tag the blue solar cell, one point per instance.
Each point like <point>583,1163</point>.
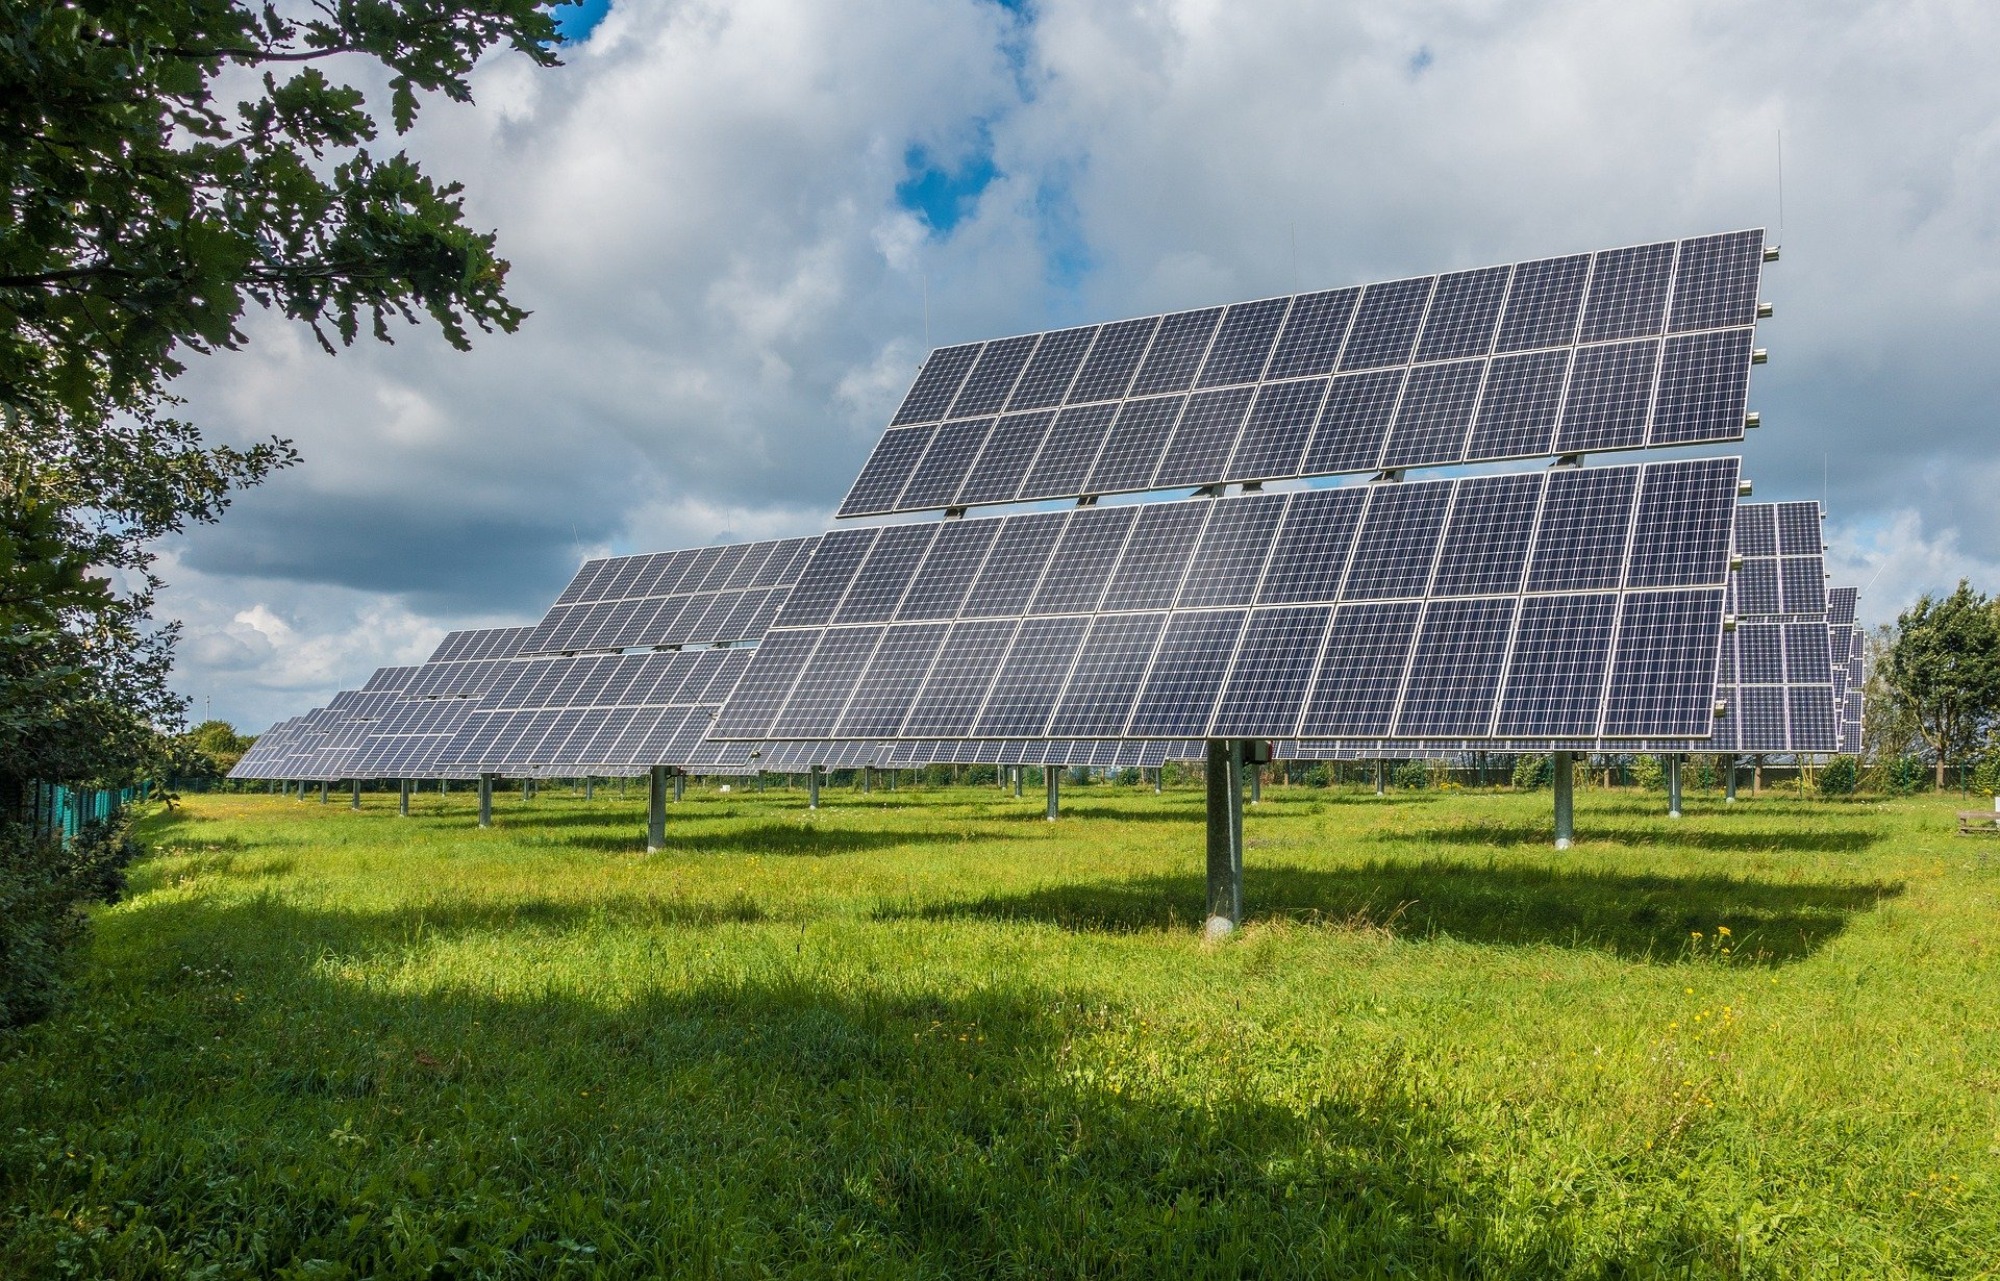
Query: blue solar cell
<point>1813,726</point>
<point>936,480</point>
<point>1109,666</point>
<point>1314,331</point>
<point>1280,423</point>
<point>1135,444</point>
<point>1310,551</point>
<point>1703,392</point>
<point>1455,670</point>
<point>936,384</point>
<point>1628,292</point>
<point>1385,325</point>
<point>1353,422</point>
<point>992,379</point>
<point>1179,346</point>
<point>896,672</point>
<point>1562,650</point>
<point>1157,556</point>
<point>959,678</point>
<point>1756,587</point>
<point>1757,530</point>
<point>1083,560</point>
<point>1802,583</point>
<point>826,578</point>
<point>724,568</point>
<point>1018,704</point>
<point>827,682</point>
<point>1361,671</point>
<point>1716,282</point>
<point>1273,671</point>
<point>1054,366</point>
<point>1585,524</point>
<point>1188,669</point>
<point>1463,314</point>
<point>1687,513</point>
<point>1806,659</point>
<point>887,471</point>
<point>1014,567</point>
<point>1435,415</point>
<point>1232,551</point>
<point>1243,344</point>
<point>1486,542</point>
<point>1663,672</point>
<point>939,586</point>
<point>1004,463</point>
<point>1760,655</point>
<point>1108,371</point>
<point>1518,409</point>
<point>1399,541</point>
<point>1543,303</point>
<point>1204,438</point>
<point>1060,469</point>
<point>879,586</point>
<point>1799,529</point>
<point>1610,394</point>
<point>768,683</point>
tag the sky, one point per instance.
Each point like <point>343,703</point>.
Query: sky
<point>740,225</point>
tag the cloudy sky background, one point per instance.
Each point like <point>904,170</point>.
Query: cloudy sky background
<point>736,223</point>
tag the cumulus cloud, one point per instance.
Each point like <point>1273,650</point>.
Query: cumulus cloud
<point>738,226</point>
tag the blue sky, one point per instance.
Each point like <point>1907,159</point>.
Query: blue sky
<point>736,224</point>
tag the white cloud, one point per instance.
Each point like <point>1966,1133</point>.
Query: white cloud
<point>701,212</point>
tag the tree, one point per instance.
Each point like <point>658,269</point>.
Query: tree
<point>143,217</point>
<point>1943,671</point>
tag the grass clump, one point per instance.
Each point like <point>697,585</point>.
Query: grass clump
<point>929,1033</point>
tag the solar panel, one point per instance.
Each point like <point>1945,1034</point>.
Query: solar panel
<point>700,596</point>
<point>1647,346</point>
<point>1394,610</point>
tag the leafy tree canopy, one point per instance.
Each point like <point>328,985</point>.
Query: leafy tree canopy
<point>167,166</point>
<point>1943,671</point>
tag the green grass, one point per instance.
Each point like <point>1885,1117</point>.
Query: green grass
<point>929,1033</point>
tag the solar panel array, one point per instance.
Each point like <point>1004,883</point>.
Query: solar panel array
<point>1568,602</point>
<point>1844,650</point>
<point>700,596</point>
<point>602,714</point>
<point>1647,346</point>
<point>1776,668</point>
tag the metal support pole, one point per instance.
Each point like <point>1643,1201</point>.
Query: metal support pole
<point>1729,776</point>
<point>812,788</point>
<point>1381,771</point>
<point>867,780</point>
<point>1256,784</point>
<point>680,786</point>
<point>1052,774</point>
<point>403,798</point>
<point>656,810</point>
<point>589,787</point>
<point>1158,770</point>
<point>322,791</point>
<point>1017,782</point>
<point>356,803</point>
<point>486,800</point>
<point>1674,785</point>
<point>1225,837</point>
<point>1563,777</point>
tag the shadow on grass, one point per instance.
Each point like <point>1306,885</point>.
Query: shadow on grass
<point>777,1124</point>
<point>790,840</point>
<point>1647,918</point>
<point>1687,834</point>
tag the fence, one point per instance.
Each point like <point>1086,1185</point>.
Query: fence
<point>62,811</point>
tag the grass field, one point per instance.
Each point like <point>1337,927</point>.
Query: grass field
<point>930,1033</point>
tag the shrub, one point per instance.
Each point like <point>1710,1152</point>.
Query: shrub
<point>1531,772</point>
<point>1649,773</point>
<point>44,887</point>
<point>1905,775</point>
<point>1836,777</point>
<point>1412,774</point>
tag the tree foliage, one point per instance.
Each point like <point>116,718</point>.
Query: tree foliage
<point>1943,671</point>
<point>168,166</point>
